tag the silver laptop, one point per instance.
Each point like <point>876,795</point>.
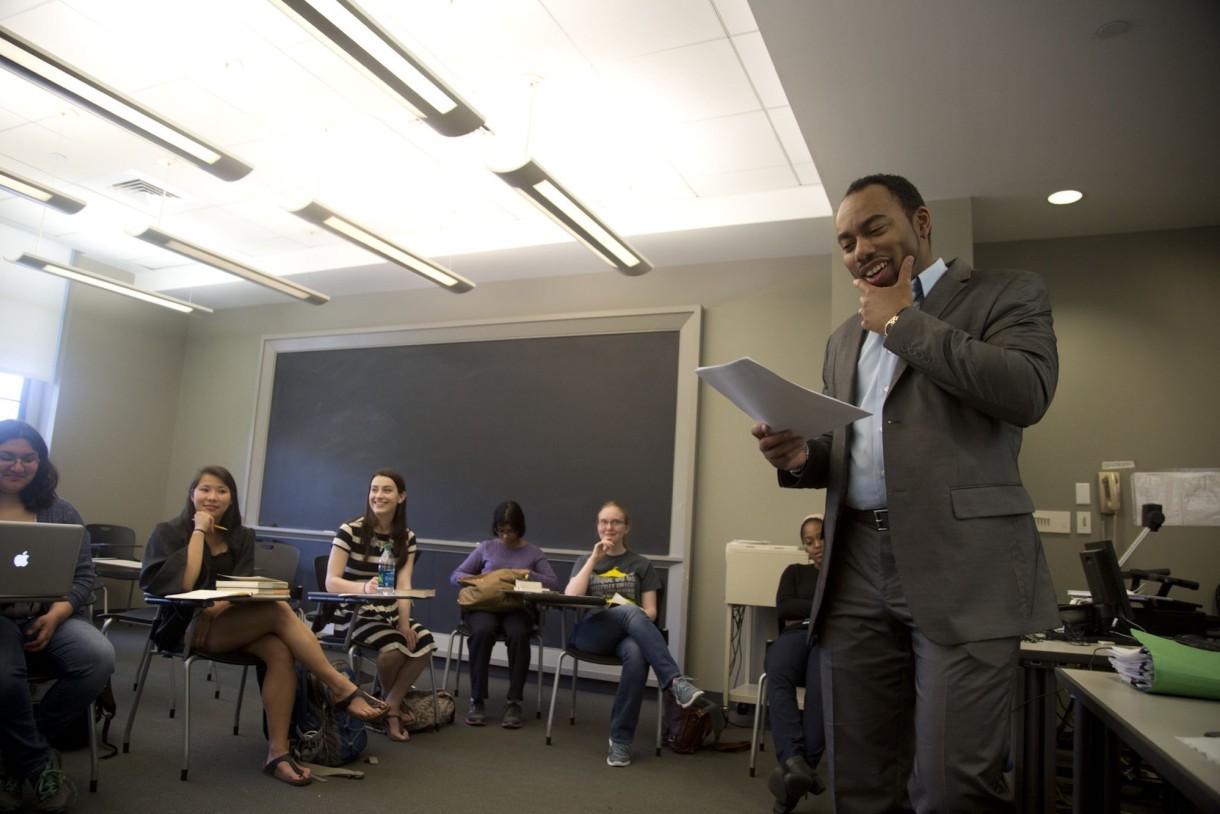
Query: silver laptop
<point>37,560</point>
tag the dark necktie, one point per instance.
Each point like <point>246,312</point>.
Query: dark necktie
<point>917,288</point>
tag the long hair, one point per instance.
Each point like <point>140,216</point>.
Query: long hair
<point>509,513</point>
<point>398,526</point>
<point>39,493</point>
<point>232,516</point>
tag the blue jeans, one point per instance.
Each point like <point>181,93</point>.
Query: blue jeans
<point>792,663</point>
<point>627,632</point>
<point>81,659</point>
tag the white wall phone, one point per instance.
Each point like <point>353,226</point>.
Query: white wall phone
<point>1109,493</point>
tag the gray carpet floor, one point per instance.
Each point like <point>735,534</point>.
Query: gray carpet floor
<point>457,769</point>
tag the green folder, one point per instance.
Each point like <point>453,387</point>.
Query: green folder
<point>1179,669</point>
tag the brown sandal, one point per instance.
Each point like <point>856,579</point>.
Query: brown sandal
<point>380,708</point>
<point>301,778</point>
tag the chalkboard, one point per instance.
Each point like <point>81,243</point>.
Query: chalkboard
<point>558,423</point>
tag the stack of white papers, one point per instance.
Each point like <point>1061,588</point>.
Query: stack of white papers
<point>767,397</point>
<point>1133,665</point>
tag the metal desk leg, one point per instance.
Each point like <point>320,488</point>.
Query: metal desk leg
<point>1094,765</point>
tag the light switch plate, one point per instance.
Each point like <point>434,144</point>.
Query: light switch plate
<point>1084,496</point>
<point>1053,522</point>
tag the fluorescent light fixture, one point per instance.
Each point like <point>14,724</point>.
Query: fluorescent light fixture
<point>25,59</point>
<point>199,254</point>
<point>80,275</point>
<point>1064,197</point>
<point>532,181</point>
<point>37,193</point>
<point>351,33</point>
<point>316,213</point>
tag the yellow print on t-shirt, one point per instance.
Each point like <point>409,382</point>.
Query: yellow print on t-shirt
<point>612,582</point>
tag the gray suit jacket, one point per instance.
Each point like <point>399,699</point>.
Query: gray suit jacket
<point>976,364</point>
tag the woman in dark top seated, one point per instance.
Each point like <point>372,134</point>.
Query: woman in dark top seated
<point>208,540</point>
<point>792,662</point>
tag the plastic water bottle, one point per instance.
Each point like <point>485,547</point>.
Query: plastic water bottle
<point>386,570</point>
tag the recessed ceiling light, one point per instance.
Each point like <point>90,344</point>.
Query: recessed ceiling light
<point>1064,196</point>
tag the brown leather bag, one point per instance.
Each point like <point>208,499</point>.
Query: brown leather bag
<point>486,591</point>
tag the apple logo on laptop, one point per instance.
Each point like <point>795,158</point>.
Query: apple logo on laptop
<point>22,559</point>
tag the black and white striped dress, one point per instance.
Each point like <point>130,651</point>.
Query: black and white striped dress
<point>376,622</point>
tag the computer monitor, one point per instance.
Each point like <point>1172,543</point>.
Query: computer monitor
<point>1106,584</point>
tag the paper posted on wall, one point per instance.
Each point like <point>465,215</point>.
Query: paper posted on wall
<point>770,398</point>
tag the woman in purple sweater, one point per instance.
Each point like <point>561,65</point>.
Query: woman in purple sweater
<point>508,549</point>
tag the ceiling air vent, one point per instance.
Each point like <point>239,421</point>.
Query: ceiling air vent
<point>138,186</point>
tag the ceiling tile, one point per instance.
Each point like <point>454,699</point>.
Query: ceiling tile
<point>727,144</point>
<point>607,30</point>
<point>737,183</point>
<point>789,132</point>
<point>753,53</point>
<point>736,16</point>
<point>684,84</point>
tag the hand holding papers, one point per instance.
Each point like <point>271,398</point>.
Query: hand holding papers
<point>777,402</point>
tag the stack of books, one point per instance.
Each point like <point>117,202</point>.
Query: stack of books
<point>252,586</point>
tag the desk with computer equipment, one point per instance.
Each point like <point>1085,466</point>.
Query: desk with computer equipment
<point>1035,715</point>
<point>1090,630</point>
<point>1108,711</point>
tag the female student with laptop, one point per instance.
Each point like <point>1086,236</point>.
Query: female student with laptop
<point>52,637</point>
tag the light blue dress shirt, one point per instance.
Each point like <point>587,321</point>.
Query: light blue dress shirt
<point>874,374</point>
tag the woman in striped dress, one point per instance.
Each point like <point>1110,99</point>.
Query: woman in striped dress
<point>404,645</point>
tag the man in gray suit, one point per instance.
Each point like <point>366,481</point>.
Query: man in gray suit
<point>933,566</point>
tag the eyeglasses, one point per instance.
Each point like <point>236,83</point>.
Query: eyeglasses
<point>615,522</point>
<point>505,530</point>
<point>8,459</point>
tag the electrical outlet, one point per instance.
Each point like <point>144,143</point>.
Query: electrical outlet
<point>1084,522</point>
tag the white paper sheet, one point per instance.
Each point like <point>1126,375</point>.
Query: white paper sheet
<point>777,402</point>
<point>1210,747</point>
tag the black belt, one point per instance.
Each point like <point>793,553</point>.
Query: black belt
<point>876,519</point>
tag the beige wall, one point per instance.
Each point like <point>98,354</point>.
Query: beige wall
<point>117,404</point>
<point>1138,381</point>
<point>146,398</point>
